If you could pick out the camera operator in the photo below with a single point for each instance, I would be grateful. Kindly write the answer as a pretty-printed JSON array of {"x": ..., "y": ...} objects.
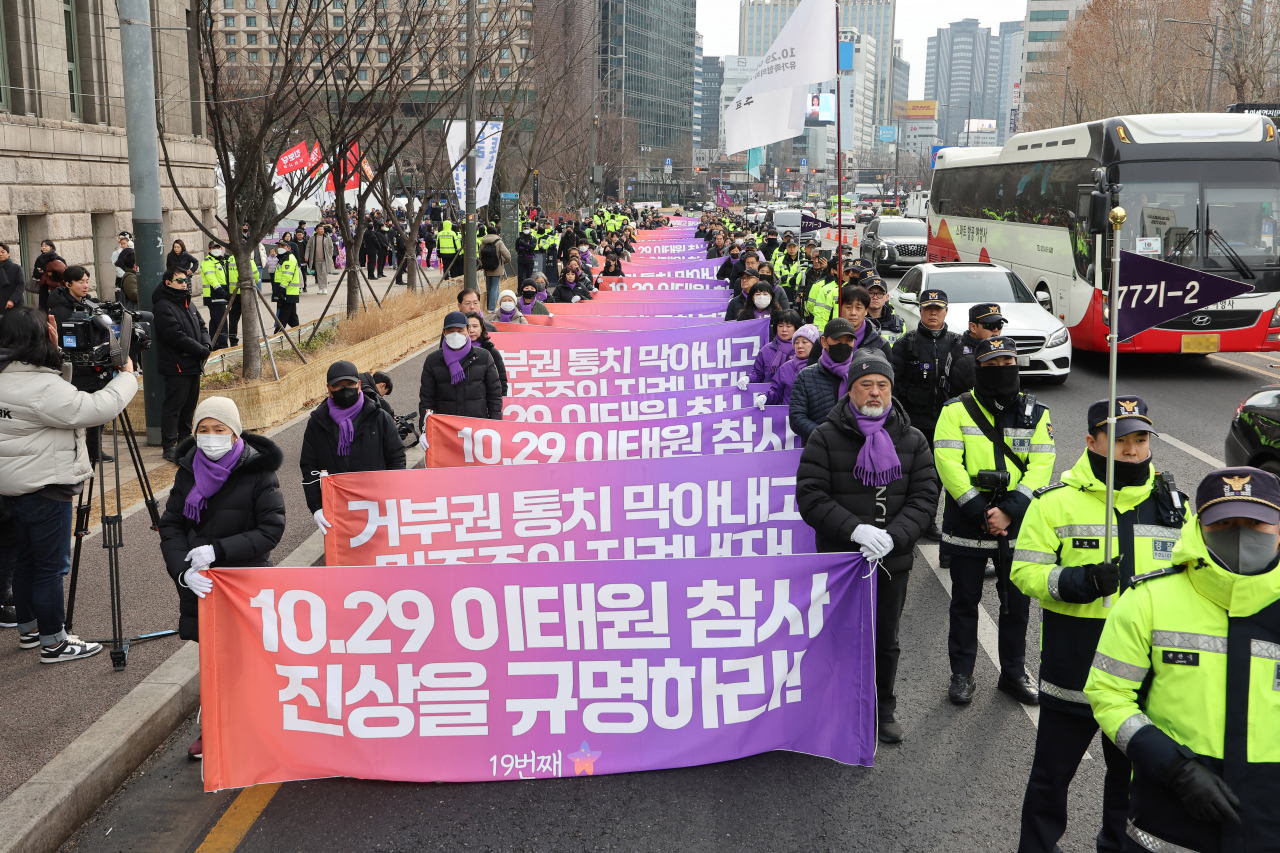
[
  {"x": 11, "y": 281},
  {"x": 43, "y": 465},
  {"x": 182, "y": 345},
  {"x": 64, "y": 302},
  {"x": 348, "y": 432},
  {"x": 989, "y": 486}
]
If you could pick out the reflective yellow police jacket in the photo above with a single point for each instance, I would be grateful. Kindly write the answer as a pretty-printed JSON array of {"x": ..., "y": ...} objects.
[
  {"x": 289, "y": 277},
  {"x": 233, "y": 276},
  {"x": 213, "y": 280},
  {"x": 1189, "y": 662},
  {"x": 960, "y": 451},
  {"x": 822, "y": 302},
  {"x": 1060, "y": 534},
  {"x": 448, "y": 241}
]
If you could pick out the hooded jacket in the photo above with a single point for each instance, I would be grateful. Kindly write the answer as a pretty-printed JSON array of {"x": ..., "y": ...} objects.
[
  {"x": 181, "y": 337},
  {"x": 833, "y": 501},
  {"x": 375, "y": 446},
  {"x": 448, "y": 241},
  {"x": 243, "y": 521}
]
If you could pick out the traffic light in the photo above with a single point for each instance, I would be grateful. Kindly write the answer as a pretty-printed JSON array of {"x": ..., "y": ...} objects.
[{"x": 790, "y": 170}]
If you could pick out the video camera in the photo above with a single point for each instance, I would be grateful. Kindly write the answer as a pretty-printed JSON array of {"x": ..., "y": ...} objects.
[
  {"x": 995, "y": 486},
  {"x": 405, "y": 426},
  {"x": 104, "y": 334}
]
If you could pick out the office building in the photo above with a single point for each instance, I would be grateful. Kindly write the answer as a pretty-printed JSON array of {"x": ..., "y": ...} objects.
[
  {"x": 956, "y": 75},
  {"x": 1044, "y": 27},
  {"x": 736, "y": 70},
  {"x": 918, "y": 137},
  {"x": 64, "y": 162},
  {"x": 712, "y": 78},
  {"x": 696, "y": 124},
  {"x": 760, "y": 21},
  {"x": 1008, "y": 79},
  {"x": 859, "y": 87}
]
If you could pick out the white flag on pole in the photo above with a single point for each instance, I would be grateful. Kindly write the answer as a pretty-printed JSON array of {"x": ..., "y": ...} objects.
[
  {"x": 771, "y": 106},
  {"x": 488, "y": 136}
]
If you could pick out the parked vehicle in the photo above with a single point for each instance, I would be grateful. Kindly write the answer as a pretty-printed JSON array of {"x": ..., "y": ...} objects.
[
  {"x": 892, "y": 241},
  {"x": 1254, "y": 436}
]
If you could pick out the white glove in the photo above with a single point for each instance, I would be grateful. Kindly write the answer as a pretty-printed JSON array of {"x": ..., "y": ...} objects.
[
  {"x": 741, "y": 382},
  {"x": 575, "y": 299},
  {"x": 760, "y": 400},
  {"x": 321, "y": 521},
  {"x": 201, "y": 556},
  {"x": 197, "y": 582},
  {"x": 875, "y": 542},
  {"x": 422, "y": 440}
]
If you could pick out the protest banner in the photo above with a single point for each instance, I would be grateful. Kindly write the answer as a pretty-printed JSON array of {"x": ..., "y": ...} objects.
[
  {"x": 604, "y": 323},
  {"x": 660, "y": 251},
  {"x": 587, "y": 364},
  {"x": 613, "y": 284},
  {"x": 412, "y": 674},
  {"x": 622, "y": 408},
  {"x": 701, "y": 506},
  {"x": 686, "y": 269},
  {"x": 636, "y": 308},
  {"x": 455, "y": 442},
  {"x": 682, "y": 296}
]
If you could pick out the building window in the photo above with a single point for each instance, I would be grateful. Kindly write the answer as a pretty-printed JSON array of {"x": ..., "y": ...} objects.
[
  {"x": 231, "y": 38},
  {"x": 231, "y": 56},
  {"x": 462, "y": 56},
  {"x": 273, "y": 22},
  {"x": 251, "y": 38},
  {"x": 526, "y": 15},
  {"x": 339, "y": 21},
  {"x": 383, "y": 57},
  {"x": 273, "y": 39},
  {"x": 253, "y": 56},
  {"x": 360, "y": 56},
  {"x": 1050, "y": 14},
  {"x": 229, "y": 21},
  {"x": 406, "y": 74},
  {"x": 362, "y": 75},
  {"x": 337, "y": 5},
  {"x": 273, "y": 57},
  {"x": 73, "y": 58},
  {"x": 504, "y": 53},
  {"x": 340, "y": 74},
  {"x": 339, "y": 39},
  {"x": 382, "y": 38},
  {"x": 251, "y": 21},
  {"x": 504, "y": 71},
  {"x": 228, "y": 4},
  {"x": 1044, "y": 35}
]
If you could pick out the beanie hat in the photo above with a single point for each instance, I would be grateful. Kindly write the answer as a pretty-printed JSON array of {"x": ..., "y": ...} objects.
[
  {"x": 867, "y": 361},
  {"x": 504, "y": 294},
  {"x": 220, "y": 409},
  {"x": 809, "y": 332}
]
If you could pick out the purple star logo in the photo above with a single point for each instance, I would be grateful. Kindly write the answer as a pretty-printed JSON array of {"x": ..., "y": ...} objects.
[{"x": 584, "y": 760}]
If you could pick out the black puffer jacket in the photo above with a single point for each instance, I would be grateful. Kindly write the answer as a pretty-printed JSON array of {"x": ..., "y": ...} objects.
[
  {"x": 498, "y": 363},
  {"x": 181, "y": 337},
  {"x": 478, "y": 395},
  {"x": 375, "y": 446},
  {"x": 243, "y": 521},
  {"x": 816, "y": 388},
  {"x": 833, "y": 501}
]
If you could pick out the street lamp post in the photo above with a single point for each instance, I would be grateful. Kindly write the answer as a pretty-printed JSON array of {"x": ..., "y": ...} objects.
[{"x": 1213, "y": 53}]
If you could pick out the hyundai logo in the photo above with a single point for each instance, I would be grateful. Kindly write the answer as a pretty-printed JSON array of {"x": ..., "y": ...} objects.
[{"x": 1200, "y": 320}]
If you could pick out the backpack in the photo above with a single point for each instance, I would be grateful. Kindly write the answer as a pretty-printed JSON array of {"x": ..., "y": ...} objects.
[{"x": 489, "y": 256}]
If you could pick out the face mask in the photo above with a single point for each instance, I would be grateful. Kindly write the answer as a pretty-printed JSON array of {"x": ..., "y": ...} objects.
[
  {"x": 997, "y": 384},
  {"x": 1127, "y": 473},
  {"x": 345, "y": 398},
  {"x": 762, "y": 300},
  {"x": 215, "y": 446},
  {"x": 1242, "y": 551},
  {"x": 507, "y": 305},
  {"x": 840, "y": 352},
  {"x": 217, "y": 253},
  {"x": 530, "y": 295},
  {"x": 455, "y": 340}
]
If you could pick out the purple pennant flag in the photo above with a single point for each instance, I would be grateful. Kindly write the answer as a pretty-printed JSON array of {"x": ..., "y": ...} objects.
[
  {"x": 812, "y": 223},
  {"x": 1153, "y": 291}
]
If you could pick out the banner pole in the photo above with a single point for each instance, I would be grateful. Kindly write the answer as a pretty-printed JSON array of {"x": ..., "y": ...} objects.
[{"x": 1117, "y": 217}]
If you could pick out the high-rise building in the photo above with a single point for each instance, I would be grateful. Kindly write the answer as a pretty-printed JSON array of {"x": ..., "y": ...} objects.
[
  {"x": 901, "y": 77},
  {"x": 760, "y": 21},
  {"x": 712, "y": 78},
  {"x": 859, "y": 87},
  {"x": 1008, "y": 79},
  {"x": 696, "y": 124},
  {"x": 1044, "y": 27},
  {"x": 956, "y": 76}
]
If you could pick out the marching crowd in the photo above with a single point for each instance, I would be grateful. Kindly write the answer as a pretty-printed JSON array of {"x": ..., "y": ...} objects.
[{"x": 1172, "y": 646}]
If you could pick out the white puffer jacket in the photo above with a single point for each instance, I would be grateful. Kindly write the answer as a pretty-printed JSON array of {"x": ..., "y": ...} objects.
[{"x": 42, "y": 422}]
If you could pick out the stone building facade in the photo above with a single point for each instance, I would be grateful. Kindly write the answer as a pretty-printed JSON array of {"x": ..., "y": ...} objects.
[{"x": 64, "y": 165}]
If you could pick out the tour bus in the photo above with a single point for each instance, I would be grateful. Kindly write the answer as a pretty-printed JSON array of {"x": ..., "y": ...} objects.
[{"x": 1201, "y": 190}]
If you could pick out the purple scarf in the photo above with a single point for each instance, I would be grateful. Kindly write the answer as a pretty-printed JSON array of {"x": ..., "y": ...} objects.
[
  {"x": 524, "y": 309},
  {"x": 345, "y": 419},
  {"x": 507, "y": 316},
  {"x": 453, "y": 358},
  {"x": 841, "y": 369},
  {"x": 878, "y": 463},
  {"x": 210, "y": 476},
  {"x": 763, "y": 313},
  {"x": 783, "y": 350}
]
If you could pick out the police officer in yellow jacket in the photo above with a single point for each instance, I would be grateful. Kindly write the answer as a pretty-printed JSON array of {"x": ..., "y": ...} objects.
[
  {"x": 993, "y": 446},
  {"x": 449, "y": 249},
  {"x": 286, "y": 286},
  {"x": 213, "y": 282},
  {"x": 1059, "y": 560},
  {"x": 1186, "y": 679}
]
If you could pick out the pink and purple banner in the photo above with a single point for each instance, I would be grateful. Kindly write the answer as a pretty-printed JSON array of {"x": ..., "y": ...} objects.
[
  {"x": 623, "y": 408},
  {"x": 604, "y": 323},
  {"x": 589, "y": 364},
  {"x": 612, "y": 284},
  {"x": 715, "y": 307},
  {"x": 657, "y": 507},
  {"x": 454, "y": 442},
  {"x": 687, "y": 269},
  {"x": 414, "y": 674}
]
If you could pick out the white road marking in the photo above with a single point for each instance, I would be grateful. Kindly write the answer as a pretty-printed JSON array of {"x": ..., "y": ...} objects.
[{"x": 1192, "y": 451}]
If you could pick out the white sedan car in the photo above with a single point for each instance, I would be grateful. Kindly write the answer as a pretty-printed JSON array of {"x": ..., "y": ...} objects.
[{"x": 1044, "y": 345}]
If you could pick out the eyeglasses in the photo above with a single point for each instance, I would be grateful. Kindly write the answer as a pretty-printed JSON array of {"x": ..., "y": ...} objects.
[
  {"x": 180, "y": 280},
  {"x": 993, "y": 327}
]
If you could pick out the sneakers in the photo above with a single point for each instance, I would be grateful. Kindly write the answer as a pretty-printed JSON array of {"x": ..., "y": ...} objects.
[
  {"x": 196, "y": 751},
  {"x": 29, "y": 641},
  {"x": 72, "y": 648},
  {"x": 961, "y": 690},
  {"x": 8, "y": 616}
]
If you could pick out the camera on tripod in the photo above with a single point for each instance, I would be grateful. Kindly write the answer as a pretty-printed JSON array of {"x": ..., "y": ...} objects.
[
  {"x": 405, "y": 426},
  {"x": 105, "y": 334}
]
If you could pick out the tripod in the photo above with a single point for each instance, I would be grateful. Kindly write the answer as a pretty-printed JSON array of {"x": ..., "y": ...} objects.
[{"x": 113, "y": 537}]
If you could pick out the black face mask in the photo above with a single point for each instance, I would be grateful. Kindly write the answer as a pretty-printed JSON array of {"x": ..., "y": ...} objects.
[
  {"x": 840, "y": 352},
  {"x": 345, "y": 398},
  {"x": 1127, "y": 473},
  {"x": 530, "y": 295},
  {"x": 997, "y": 384}
]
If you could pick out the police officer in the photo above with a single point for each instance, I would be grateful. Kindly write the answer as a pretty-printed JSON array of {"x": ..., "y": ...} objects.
[
  {"x": 789, "y": 270},
  {"x": 1059, "y": 560},
  {"x": 992, "y": 446},
  {"x": 448, "y": 247},
  {"x": 925, "y": 362},
  {"x": 235, "y": 306},
  {"x": 1185, "y": 677},
  {"x": 823, "y": 296},
  {"x": 213, "y": 282},
  {"x": 286, "y": 286},
  {"x": 985, "y": 321},
  {"x": 881, "y": 313}
]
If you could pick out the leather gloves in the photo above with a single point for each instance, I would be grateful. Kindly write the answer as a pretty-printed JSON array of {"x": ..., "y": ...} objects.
[
  {"x": 1204, "y": 794},
  {"x": 1104, "y": 577}
]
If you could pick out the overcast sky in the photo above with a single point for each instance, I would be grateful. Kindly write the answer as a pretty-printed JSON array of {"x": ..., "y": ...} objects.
[{"x": 916, "y": 21}]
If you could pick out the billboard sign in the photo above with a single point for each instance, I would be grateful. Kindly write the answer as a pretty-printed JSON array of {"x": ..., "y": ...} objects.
[
  {"x": 887, "y": 133},
  {"x": 821, "y": 110},
  {"x": 980, "y": 125},
  {"x": 915, "y": 110}
]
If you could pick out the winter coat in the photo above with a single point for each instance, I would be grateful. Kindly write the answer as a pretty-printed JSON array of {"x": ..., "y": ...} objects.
[
  {"x": 375, "y": 446},
  {"x": 495, "y": 317},
  {"x": 243, "y": 520},
  {"x": 11, "y": 284},
  {"x": 784, "y": 378},
  {"x": 128, "y": 288},
  {"x": 834, "y": 501},
  {"x": 562, "y": 292},
  {"x": 181, "y": 337},
  {"x": 186, "y": 262},
  {"x": 504, "y": 255},
  {"x": 498, "y": 362},
  {"x": 42, "y": 422},
  {"x": 926, "y": 371},
  {"x": 525, "y": 246},
  {"x": 815, "y": 390},
  {"x": 763, "y": 368},
  {"x": 319, "y": 254},
  {"x": 478, "y": 395}
]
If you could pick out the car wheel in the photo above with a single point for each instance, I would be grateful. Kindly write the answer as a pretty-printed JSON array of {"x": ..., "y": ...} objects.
[{"x": 1271, "y": 466}]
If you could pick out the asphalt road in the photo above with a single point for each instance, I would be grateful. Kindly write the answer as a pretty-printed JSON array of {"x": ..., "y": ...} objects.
[{"x": 955, "y": 784}]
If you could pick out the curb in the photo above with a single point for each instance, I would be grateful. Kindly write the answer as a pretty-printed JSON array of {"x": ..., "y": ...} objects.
[{"x": 46, "y": 809}]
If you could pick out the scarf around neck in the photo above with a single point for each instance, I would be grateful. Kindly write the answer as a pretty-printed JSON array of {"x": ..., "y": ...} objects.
[
  {"x": 210, "y": 476},
  {"x": 345, "y": 419},
  {"x": 453, "y": 358},
  {"x": 507, "y": 316},
  {"x": 878, "y": 463},
  {"x": 840, "y": 369}
]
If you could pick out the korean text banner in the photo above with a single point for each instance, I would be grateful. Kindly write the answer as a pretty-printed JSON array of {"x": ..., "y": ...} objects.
[
  {"x": 655, "y": 251},
  {"x": 413, "y": 674},
  {"x": 633, "y": 407},
  {"x": 587, "y": 364},
  {"x": 669, "y": 269},
  {"x": 454, "y": 441},
  {"x": 538, "y": 323},
  {"x": 621, "y": 284},
  {"x": 657, "y": 508},
  {"x": 687, "y": 296},
  {"x": 636, "y": 308}
]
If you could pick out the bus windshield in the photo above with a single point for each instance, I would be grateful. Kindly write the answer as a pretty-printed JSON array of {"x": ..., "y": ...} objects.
[{"x": 1218, "y": 216}]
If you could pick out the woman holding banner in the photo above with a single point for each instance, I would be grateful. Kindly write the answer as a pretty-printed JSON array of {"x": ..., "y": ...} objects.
[
  {"x": 803, "y": 343},
  {"x": 459, "y": 378},
  {"x": 773, "y": 354},
  {"x": 507, "y": 312},
  {"x": 479, "y": 336}
]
